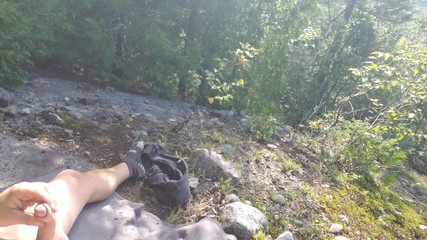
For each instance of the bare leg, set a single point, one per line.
(74, 190)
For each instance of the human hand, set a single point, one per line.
(14, 201)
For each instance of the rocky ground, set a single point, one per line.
(96, 124)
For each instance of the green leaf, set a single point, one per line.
(399, 136)
(416, 71)
(211, 100)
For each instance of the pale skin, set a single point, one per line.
(55, 206)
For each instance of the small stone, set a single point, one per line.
(344, 218)
(287, 129)
(5, 98)
(299, 223)
(10, 111)
(194, 182)
(66, 99)
(25, 111)
(230, 199)
(336, 228)
(248, 203)
(86, 153)
(279, 199)
(423, 227)
(271, 146)
(54, 119)
(340, 238)
(226, 148)
(416, 187)
(77, 147)
(69, 131)
(242, 113)
(140, 134)
(285, 236)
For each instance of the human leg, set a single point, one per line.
(74, 190)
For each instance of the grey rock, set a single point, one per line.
(405, 182)
(287, 129)
(24, 160)
(140, 134)
(417, 187)
(279, 199)
(344, 218)
(271, 146)
(243, 221)
(10, 111)
(247, 202)
(194, 182)
(214, 165)
(336, 228)
(86, 153)
(276, 137)
(5, 98)
(299, 223)
(147, 117)
(103, 116)
(54, 119)
(242, 113)
(223, 114)
(25, 111)
(231, 198)
(423, 227)
(96, 101)
(226, 148)
(285, 236)
(69, 131)
(340, 238)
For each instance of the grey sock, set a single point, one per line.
(133, 160)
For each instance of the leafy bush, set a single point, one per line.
(349, 147)
(25, 28)
(263, 125)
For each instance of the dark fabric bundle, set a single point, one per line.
(166, 174)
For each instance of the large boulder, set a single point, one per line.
(214, 166)
(242, 220)
(5, 97)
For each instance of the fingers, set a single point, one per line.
(30, 193)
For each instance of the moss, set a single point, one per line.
(379, 215)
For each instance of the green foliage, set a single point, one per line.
(225, 186)
(378, 214)
(175, 215)
(24, 26)
(263, 125)
(262, 236)
(290, 165)
(395, 86)
(350, 147)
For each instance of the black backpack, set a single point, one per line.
(166, 174)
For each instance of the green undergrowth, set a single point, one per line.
(379, 214)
